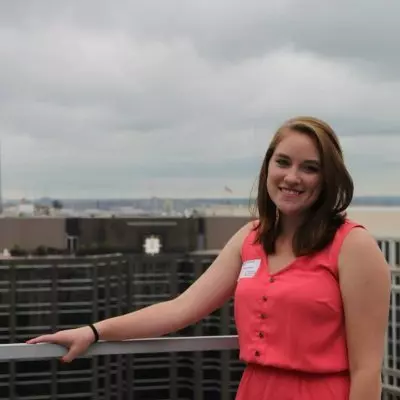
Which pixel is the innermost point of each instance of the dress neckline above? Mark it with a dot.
(283, 269)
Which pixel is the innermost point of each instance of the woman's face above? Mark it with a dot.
(294, 179)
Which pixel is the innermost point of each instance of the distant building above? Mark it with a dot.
(88, 235)
(208, 229)
(224, 210)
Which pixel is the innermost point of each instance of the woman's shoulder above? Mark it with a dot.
(356, 236)
(346, 227)
(249, 241)
(343, 229)
(249, 229)
(242, 235)
(360, 253)
(356, 243)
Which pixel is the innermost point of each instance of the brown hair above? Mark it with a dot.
(327, 213)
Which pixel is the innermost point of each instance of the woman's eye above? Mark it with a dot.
(282, 162)
(312, 168)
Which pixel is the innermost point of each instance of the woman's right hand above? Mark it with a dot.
(77, 341)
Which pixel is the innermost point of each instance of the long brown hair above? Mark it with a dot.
(328, 211)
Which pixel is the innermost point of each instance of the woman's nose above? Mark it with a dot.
(292, 176)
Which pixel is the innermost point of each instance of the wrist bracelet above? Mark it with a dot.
(96, 334)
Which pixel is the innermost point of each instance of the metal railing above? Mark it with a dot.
(40, 295)
(391, 363)
(179, 385)
(22, 351)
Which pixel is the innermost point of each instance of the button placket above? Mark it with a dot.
(263, 316)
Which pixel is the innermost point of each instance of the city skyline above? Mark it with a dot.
(129, 100)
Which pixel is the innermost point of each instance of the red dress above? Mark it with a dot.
(291, 326)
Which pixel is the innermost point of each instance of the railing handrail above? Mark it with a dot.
(23, 351)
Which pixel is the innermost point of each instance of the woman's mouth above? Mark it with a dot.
(291, 192)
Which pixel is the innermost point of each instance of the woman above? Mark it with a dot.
(311, 288)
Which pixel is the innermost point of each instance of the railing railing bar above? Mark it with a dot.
(391, 389)
(22, 351)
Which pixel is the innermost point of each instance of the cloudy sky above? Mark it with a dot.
(180, 98)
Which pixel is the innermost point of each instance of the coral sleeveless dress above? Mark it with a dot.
(291, 326)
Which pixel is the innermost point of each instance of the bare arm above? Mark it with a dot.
(204, 296)
(365, 286)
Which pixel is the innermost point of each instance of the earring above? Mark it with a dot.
(276, 217)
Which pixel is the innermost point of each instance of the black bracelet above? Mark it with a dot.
(96, 334)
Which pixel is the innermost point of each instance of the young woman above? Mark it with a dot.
(311, 288)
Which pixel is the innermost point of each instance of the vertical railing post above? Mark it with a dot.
(173, 280)
(13, 326)
(130, 304)
(95, 316)
(225, 355)
(121, 289)
(107, 314)
(54, 324)
(198, 331)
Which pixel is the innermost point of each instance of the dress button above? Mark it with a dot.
(257, 353)
(272, 279)
(264, 298)
(261, 335)
(263, 316)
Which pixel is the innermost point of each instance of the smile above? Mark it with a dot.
(292, 192)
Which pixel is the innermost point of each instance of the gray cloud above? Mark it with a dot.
(228, 29)
(187, 92)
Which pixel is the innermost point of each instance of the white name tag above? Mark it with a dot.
(249, 268)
